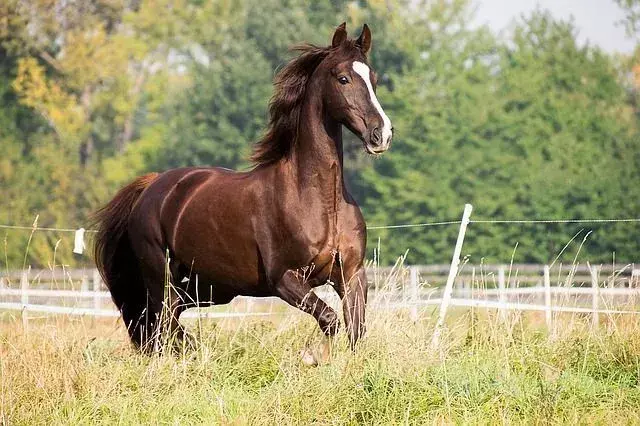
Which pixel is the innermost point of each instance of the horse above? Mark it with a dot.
(283, 227)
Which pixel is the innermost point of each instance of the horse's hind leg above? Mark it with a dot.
(164, 306)
(150, 321)
(177, 301)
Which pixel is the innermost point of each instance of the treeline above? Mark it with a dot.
(534, 125)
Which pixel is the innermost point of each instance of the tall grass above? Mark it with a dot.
(66, 371)
(489, 369)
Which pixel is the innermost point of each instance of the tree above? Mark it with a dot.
(536, 128)
(95, 92)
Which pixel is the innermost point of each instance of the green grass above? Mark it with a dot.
(64, 371)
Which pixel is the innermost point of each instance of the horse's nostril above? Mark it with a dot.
(376, 136)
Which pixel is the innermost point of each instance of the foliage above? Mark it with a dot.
(535, 126)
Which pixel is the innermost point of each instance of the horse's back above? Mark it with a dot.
(204, 217)
(163, 201)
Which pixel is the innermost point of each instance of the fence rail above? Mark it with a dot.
(392, 288)
(520, 275)
(611, 290)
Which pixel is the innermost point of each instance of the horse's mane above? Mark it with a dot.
(284, 108)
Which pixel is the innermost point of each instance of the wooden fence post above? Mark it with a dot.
(414, 293)
(595, 295)
(548, 315)
(453, 272)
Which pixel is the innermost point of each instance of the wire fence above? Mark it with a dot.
(374, 227)
(79, 243)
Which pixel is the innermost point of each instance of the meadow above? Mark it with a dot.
(525, 124)
(246, 371)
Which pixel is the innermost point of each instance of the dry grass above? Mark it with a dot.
(64, 371)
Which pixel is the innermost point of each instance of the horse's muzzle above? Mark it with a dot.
(378, 142)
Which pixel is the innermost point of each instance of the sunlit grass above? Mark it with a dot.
(65, 371)
(490, 368)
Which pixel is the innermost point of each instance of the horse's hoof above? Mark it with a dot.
(319, 354)
(308, 358)
(191, 341)
(324, 351)
(185, 343)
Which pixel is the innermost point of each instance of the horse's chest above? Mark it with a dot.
(343, 245)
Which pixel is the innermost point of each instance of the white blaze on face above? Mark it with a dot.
(363, 71)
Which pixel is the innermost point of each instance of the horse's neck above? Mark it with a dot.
(317, 157)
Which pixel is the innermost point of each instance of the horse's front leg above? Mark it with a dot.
(352, 289)
(297, 292)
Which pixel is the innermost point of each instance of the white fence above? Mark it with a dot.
(605, 289)
(596, 290)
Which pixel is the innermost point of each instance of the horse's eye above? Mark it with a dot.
(343, 80)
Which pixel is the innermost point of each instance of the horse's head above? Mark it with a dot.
(350, 90)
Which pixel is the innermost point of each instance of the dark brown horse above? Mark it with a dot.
(281, 229)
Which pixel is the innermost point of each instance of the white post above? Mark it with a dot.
(97, 284)
(24, 296)
(547, 297)
(635, 278)
(612, 281)
(595, 295)
(634, 282)
(473, 282)
(414, 293)
(453, 271)
(84, 285)
(502, 295)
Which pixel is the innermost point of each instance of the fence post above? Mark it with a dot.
(473, 282)
(502, 295)
(97, 284)
(635, 278)
(453, 271)
(84, 284)
(634, 282)
(414, 293)
(24, 296)
(547, 298)
(248, 305)
(595, 295)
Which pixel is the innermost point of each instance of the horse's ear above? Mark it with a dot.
(340, 35)
(364, 41)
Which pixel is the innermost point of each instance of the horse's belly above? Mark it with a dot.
(208, 229)
(223, 259)
(223, 252)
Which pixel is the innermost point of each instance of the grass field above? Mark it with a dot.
(81, 371)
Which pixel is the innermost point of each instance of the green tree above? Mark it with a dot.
(536, 128)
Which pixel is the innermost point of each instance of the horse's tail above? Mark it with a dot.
(116, 260)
